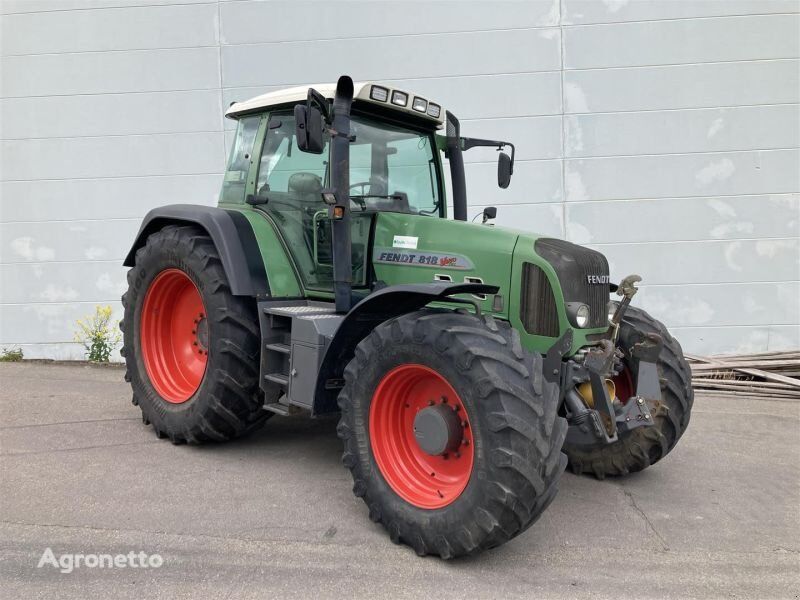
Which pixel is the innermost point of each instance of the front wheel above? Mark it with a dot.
(643, 446)
(450, 431)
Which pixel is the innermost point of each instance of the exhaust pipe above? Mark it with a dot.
(340, 182)
(456, 158)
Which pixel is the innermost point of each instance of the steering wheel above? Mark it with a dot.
(362, 185)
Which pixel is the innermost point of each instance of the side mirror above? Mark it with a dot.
(504, 170)
(308, 129)
(490, 212)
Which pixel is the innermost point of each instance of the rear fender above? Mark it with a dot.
(232, 235)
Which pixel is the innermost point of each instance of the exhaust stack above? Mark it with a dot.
(456, 158)
(340, 182)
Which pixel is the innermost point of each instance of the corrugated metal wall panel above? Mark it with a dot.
(663, 133)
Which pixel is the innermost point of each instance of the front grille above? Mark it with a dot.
(537, 307)
(574, 265)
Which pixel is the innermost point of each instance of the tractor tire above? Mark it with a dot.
(191, 347)
(638, 449)
(502, 463)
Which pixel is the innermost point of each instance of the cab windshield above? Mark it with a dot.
(391, 168)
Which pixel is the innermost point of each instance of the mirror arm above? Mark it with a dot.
(467, 143)
(513, 150)
(314, 97)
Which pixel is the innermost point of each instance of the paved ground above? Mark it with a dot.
(273, 515)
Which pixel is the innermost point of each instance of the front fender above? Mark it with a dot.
(382, 305)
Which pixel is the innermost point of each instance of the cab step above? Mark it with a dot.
(278, 378)
(280, 348)
(284, 410)
(278, 408)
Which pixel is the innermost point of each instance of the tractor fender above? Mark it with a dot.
(231, 233)
(382, 305)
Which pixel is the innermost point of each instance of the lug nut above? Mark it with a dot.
(431, 402)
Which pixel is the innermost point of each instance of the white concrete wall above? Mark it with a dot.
(665, 133)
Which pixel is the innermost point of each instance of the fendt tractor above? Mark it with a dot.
(468, 363)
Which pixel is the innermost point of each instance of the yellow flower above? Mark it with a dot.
(97, 334)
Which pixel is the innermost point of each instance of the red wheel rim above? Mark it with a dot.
(424, 480)
(174, 336)
(623, 384)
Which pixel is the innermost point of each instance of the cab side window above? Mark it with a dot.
(292, 181)
(281, 160)
(235, 182)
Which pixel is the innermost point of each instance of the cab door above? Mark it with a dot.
(291, 183)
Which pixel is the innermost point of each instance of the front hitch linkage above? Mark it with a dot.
(605, 419)
(627, 289)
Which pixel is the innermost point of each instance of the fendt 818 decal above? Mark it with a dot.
(439, 260)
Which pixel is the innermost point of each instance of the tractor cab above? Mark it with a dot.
(281, 162)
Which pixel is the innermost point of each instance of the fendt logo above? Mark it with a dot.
(598, 279)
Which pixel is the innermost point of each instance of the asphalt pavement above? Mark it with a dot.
(273, 515)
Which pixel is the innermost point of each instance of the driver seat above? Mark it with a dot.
(306, 187)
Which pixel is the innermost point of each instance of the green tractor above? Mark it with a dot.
(469, 364)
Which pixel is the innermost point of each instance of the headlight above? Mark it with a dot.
(582, 316)
(612, 310)
(578, 313)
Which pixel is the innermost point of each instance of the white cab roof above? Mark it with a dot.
(362, 92)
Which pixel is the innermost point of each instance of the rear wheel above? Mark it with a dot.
(643, 446)
(191, 348)
(450, 432)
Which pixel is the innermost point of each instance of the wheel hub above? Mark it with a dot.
(200, 333)
(437, 430)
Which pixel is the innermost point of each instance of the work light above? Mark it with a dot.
(420, 104)
(399, 98)
(379, 93)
